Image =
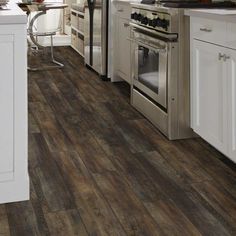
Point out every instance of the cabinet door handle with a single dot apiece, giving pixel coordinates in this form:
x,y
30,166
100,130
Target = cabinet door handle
x,y
220,56
126,25
205,29
226,57
120,10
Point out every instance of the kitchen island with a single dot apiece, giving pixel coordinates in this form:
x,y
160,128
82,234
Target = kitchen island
x,y
213,77
14,180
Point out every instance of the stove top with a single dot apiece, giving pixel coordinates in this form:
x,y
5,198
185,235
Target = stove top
x,y
187,4
190,4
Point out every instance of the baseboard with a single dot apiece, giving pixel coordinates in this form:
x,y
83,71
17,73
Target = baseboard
x,y
15,191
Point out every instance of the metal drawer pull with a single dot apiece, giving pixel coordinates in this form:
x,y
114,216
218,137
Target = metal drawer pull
x,y
205,29
157,47
226,57
126,25
220,56
120,10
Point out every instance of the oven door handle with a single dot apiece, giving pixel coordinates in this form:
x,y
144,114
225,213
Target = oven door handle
x,y
157,47
171,37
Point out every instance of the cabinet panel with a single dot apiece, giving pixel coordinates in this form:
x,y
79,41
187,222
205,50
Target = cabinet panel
x,y
123,49
209,94
231,69
6,104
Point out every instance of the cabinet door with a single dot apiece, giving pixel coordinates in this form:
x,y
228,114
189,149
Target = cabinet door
x,y
6,106
123,49
231,70
209,94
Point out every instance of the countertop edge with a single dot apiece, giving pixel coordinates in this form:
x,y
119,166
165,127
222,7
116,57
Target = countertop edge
x,y
128,2
14,15
212,14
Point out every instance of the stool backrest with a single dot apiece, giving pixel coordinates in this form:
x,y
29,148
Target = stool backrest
x,y
49,22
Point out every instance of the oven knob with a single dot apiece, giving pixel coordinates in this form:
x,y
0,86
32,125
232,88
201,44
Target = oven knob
x,y
153,23
139,17
158,22
144,20
134,16
150,22
164,24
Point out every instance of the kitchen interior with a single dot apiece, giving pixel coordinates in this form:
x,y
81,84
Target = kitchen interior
x,y
120,119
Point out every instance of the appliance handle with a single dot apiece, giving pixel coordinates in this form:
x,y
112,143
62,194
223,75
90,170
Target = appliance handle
x,y
157,47
171,37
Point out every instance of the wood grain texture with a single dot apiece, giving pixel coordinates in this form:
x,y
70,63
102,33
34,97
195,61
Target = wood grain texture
x,y
99,168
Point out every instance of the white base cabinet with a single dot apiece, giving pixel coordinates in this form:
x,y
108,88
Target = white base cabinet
x,y
209,94
14,180
213,90
121,43
123,50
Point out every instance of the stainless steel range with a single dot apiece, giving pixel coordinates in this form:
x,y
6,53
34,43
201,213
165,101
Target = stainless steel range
x,y
160,68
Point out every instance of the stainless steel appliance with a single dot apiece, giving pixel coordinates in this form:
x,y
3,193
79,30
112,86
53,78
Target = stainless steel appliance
x,y
160,68
95,35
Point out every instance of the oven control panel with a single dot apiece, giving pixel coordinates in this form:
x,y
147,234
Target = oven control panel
x,y
154,20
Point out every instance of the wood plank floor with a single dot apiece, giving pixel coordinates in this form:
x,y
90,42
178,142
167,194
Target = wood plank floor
x,y
98,167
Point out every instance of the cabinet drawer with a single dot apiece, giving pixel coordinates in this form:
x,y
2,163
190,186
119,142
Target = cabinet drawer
x,y
73,37
209,30
77,21
123,10
77,41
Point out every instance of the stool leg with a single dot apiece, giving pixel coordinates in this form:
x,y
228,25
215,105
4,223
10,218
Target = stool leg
x,y
58,64
52,55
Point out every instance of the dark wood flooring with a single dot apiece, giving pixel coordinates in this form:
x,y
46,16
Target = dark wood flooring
x,y
98,167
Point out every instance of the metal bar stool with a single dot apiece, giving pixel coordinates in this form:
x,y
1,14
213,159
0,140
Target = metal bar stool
x,y
35,32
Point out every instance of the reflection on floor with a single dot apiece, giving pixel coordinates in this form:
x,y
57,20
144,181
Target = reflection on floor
x,y
98,167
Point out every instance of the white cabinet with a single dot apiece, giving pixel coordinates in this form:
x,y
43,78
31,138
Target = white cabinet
x,y
231,96
77,31
123,49
14,179
213,86
209,94
121,43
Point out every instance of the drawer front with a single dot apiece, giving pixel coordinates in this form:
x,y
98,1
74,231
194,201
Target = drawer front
x,y
81,24
209,30
80,43
123,10
74,38
77,21
74,20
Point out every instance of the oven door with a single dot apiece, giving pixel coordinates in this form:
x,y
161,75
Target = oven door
x,y
150,67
